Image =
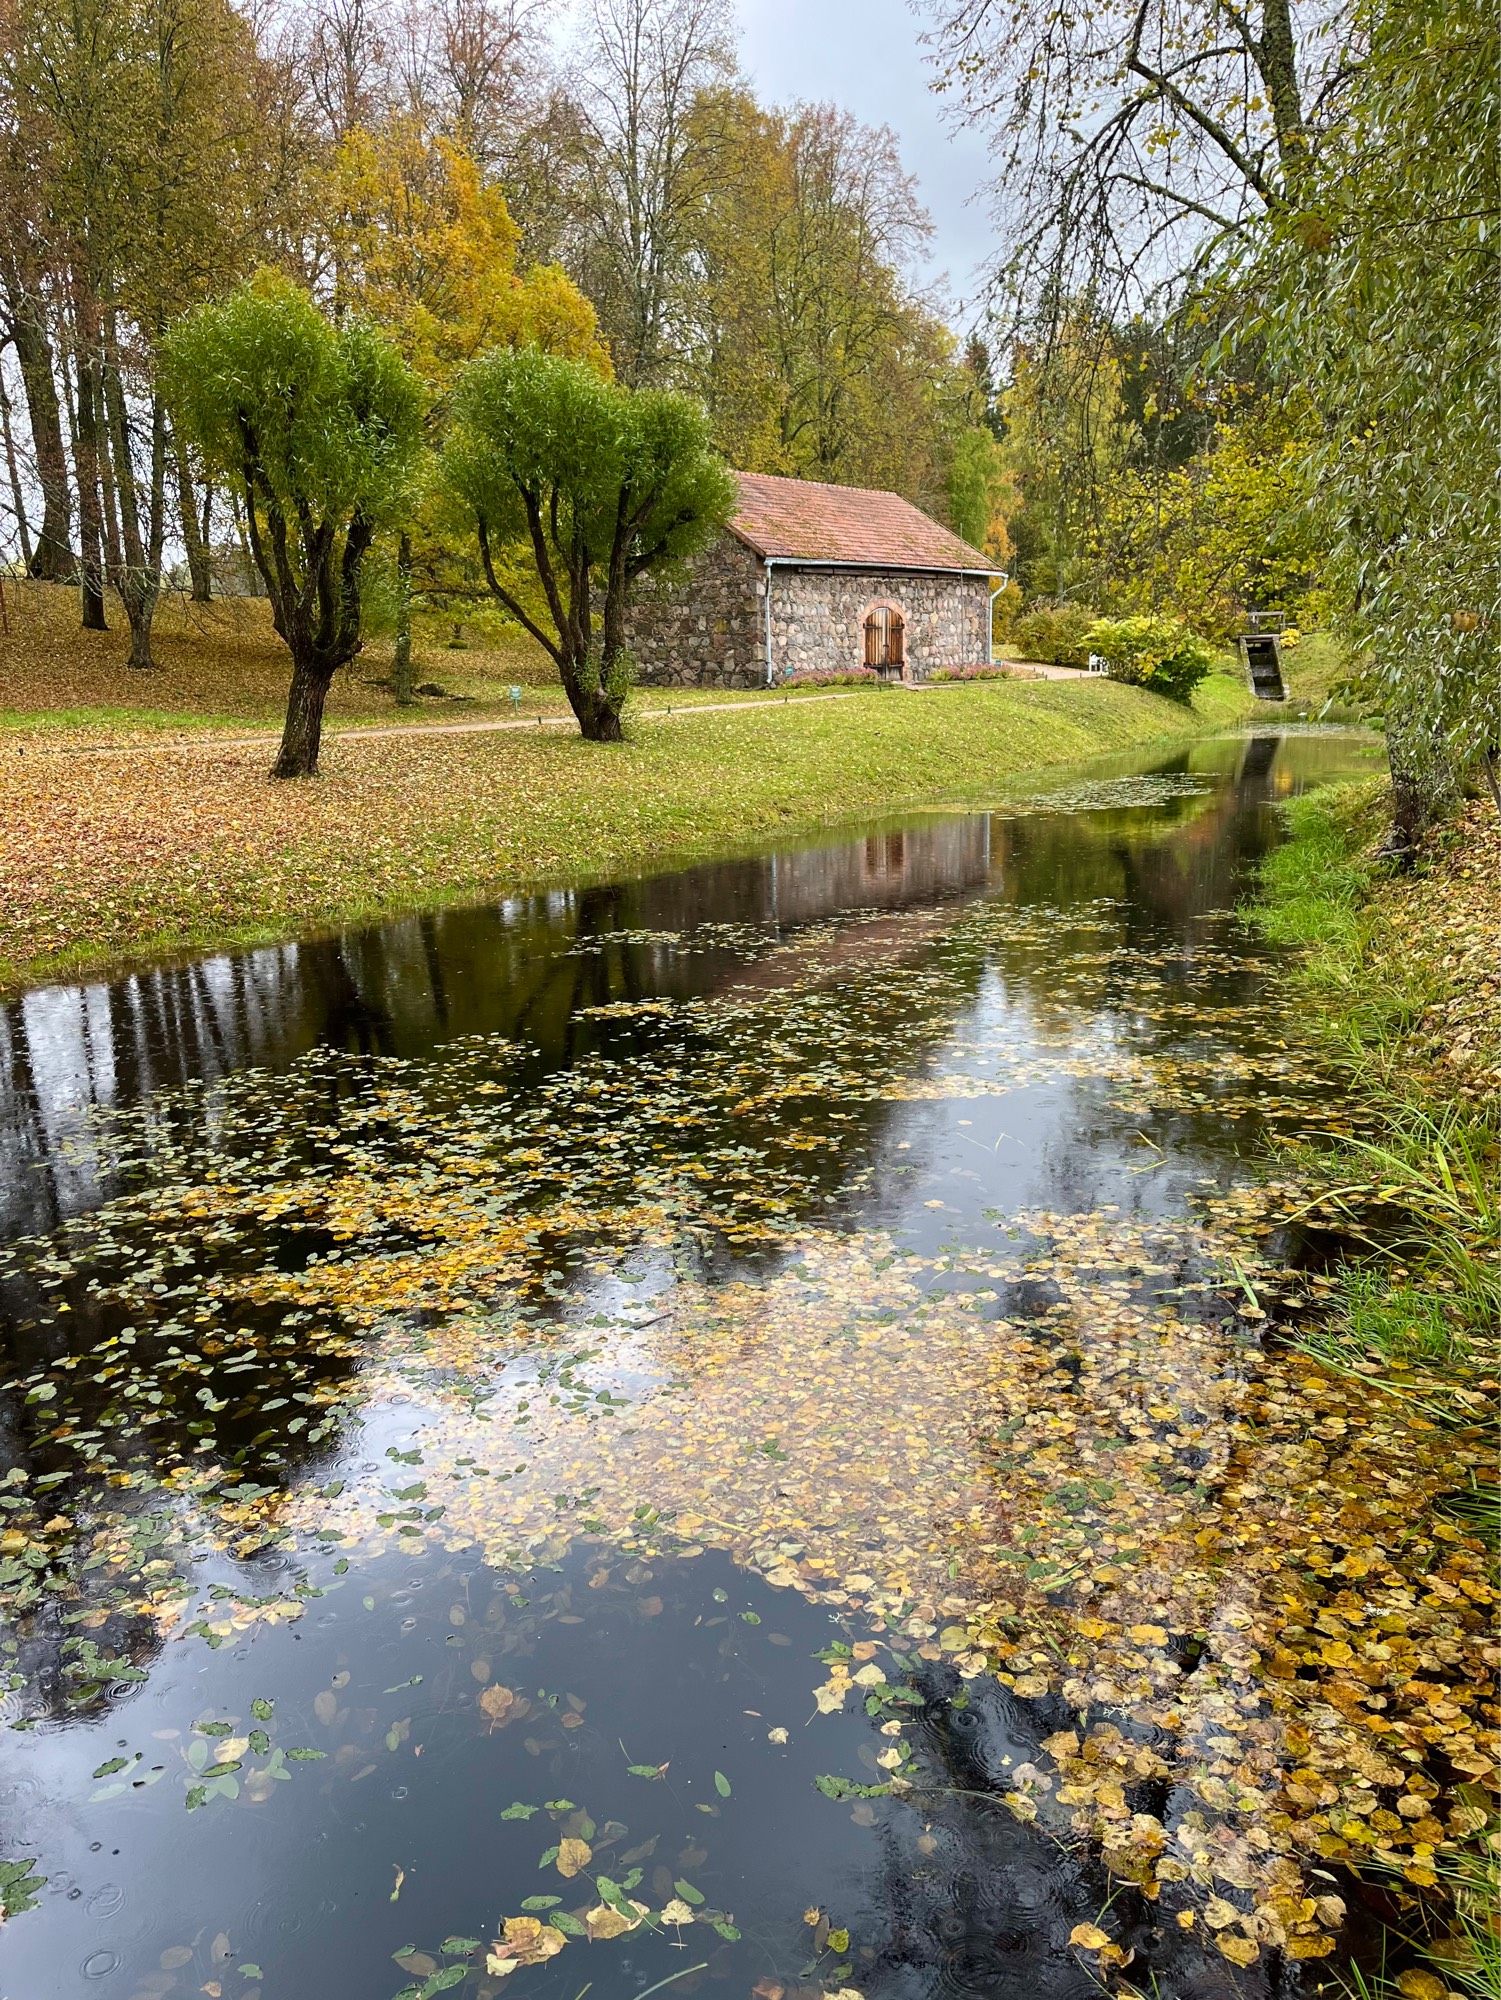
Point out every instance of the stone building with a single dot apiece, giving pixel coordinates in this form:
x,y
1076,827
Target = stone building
x,y
807,576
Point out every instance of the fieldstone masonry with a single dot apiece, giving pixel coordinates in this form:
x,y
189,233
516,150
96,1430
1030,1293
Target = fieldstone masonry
x,y
710,630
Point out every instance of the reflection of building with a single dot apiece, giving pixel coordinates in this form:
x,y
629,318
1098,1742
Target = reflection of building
x,y
808,576
513,968
915,864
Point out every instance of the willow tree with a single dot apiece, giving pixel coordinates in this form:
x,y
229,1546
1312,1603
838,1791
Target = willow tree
x,y
597,486
318,428
1382,295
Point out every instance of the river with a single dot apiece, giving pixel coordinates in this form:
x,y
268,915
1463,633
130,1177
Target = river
x,y
724,1431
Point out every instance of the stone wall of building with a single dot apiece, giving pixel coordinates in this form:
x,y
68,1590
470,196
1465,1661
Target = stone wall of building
x,y
818,618
710,630
707,631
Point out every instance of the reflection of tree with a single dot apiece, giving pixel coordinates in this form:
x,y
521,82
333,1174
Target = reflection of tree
x,y
514,969
770,1078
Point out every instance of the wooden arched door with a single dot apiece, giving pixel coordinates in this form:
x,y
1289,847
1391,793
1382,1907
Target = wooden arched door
x,y
885,639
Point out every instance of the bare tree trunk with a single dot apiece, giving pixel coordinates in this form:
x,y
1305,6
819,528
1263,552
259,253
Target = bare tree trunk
x,y
12,472
597,709
113,555
599,719
136,571
401,661
52,559
1278,63
194,537
330,595
1422,785
90,519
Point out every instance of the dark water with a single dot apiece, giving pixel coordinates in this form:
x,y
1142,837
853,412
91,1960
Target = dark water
x,y
421,1314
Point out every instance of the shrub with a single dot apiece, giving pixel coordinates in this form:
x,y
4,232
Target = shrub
x,y
970,674
1054,634
835,677
1162,654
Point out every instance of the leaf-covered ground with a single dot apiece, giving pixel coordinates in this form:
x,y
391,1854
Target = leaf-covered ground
x,y
920,1267
1445,920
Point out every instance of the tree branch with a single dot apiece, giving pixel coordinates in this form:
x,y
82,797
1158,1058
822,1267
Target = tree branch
x,y
503,596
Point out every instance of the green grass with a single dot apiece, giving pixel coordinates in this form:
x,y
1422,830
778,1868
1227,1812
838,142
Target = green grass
x,y
1317,892
1417,1300
359,709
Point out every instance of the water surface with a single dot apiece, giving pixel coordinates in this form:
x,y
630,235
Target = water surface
x,y
721,1403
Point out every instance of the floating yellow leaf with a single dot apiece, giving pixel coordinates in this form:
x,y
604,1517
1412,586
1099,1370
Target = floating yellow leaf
x,y
497,1701
604,1922
529,1941
573,1855
1420,1985
1239,1950
1089,1937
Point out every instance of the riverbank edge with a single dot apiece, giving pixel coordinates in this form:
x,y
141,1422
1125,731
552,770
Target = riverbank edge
x,y
1398,972
1016,729
1397,966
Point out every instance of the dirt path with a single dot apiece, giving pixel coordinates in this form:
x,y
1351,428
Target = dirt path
x,y
269,738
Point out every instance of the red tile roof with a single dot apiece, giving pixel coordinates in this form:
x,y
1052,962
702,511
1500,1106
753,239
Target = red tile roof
x,y
797,520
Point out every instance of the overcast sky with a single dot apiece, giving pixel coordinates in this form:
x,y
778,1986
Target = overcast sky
x,y
865,56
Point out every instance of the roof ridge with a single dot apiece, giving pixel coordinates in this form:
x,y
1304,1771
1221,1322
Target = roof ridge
x,y
782,519
830,486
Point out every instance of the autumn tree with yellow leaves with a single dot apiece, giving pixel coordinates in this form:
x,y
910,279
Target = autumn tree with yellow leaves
x,y
423,246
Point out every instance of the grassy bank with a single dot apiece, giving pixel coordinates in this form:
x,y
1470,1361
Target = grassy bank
x,y
1399,975
1400,968
119,853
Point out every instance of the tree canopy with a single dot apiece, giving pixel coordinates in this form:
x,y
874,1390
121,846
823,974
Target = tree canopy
x,y
600,484
318,428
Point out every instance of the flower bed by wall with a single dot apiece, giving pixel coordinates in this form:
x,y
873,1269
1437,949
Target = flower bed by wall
x,y
973,674
835,677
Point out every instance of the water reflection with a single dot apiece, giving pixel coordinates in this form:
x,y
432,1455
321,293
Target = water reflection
x,y
516,968
444,1265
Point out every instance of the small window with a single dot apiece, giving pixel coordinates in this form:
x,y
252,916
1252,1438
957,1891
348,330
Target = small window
x,y
885,639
